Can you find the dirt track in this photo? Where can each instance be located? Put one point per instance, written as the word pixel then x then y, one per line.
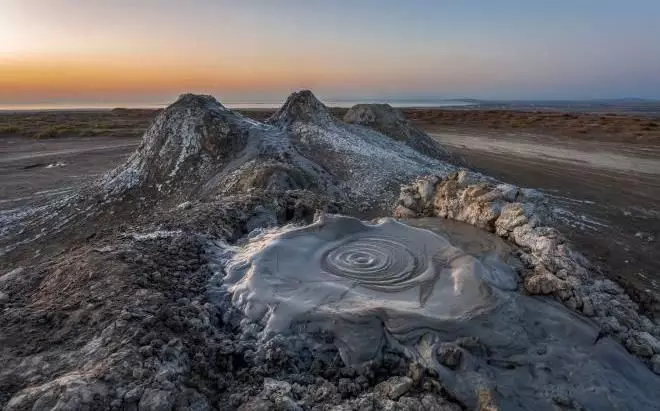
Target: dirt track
pixel 613 188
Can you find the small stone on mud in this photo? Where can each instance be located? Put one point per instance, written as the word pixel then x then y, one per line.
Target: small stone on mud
pixel 543 284
pixel 186 205
pixel 450 356
pixel 395 387
pixel 404 212
pixel 655 364
pixel 156 400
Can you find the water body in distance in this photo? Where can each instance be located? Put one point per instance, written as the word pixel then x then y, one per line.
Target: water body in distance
pixel 237 105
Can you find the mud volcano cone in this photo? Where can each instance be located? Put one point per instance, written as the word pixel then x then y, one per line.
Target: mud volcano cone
pixel 301 106
pixel 392 123
pixel 190 139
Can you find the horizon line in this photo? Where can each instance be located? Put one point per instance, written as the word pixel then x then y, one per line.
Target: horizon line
pixel 261 103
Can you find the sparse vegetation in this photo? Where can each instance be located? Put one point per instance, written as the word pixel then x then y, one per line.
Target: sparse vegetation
pixel 9 129
pixel 123 122
pixel 584 126
pixel 51 124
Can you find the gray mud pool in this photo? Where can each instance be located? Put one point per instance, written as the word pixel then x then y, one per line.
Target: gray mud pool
pixel 444 294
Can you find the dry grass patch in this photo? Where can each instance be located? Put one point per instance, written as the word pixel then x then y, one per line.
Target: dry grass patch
pixel 589 126
pixel 53 124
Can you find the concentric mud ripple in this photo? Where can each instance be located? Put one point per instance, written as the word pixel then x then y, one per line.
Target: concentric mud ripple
pixel 376 262
pixel 340 268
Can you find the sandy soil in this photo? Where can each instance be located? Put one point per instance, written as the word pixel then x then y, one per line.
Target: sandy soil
pixel 612 156
pixel 33 169
pixel 613 188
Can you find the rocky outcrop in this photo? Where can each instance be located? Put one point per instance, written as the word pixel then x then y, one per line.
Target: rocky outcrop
pixel 554 268
pixel 393 124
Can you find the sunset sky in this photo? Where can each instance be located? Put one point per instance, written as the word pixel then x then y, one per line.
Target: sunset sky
pixel 149 51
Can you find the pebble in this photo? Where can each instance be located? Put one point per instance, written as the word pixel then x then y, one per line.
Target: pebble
pixel 395 387
pixel 156 400
pixel 449 356
pixel 655 364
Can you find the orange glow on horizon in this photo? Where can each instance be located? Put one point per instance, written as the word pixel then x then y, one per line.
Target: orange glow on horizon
pixel 152 50
pixel 30 79
pixel 24 79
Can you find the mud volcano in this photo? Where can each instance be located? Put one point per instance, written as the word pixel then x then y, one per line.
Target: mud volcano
pixel 387 285
pixel 215 269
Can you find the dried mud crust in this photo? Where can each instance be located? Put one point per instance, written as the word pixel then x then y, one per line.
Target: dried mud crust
pixel 553 267
pixel 124 323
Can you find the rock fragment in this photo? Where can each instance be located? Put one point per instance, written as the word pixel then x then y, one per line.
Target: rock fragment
pixel 395 387
pixel 655 364
pixel 543 283
pixel 156 400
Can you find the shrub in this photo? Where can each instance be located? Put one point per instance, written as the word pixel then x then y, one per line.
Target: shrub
pixel 48 133
pixel 90 132
pixel 10 129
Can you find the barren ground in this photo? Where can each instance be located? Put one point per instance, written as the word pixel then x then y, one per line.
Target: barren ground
pixel 610 180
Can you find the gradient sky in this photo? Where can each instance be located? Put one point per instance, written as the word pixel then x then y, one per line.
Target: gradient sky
pixel 149 51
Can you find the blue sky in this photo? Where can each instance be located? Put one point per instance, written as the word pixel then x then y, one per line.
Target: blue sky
pixel 154 49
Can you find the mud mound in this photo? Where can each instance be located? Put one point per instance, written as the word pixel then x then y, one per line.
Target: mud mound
pixel 367 165
pixel 392 123
pixel 301 106
pixel 189 140
pixel 197 150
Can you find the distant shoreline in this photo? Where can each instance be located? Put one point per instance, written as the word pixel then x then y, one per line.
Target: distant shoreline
pixel 641 107
pixel 233 106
